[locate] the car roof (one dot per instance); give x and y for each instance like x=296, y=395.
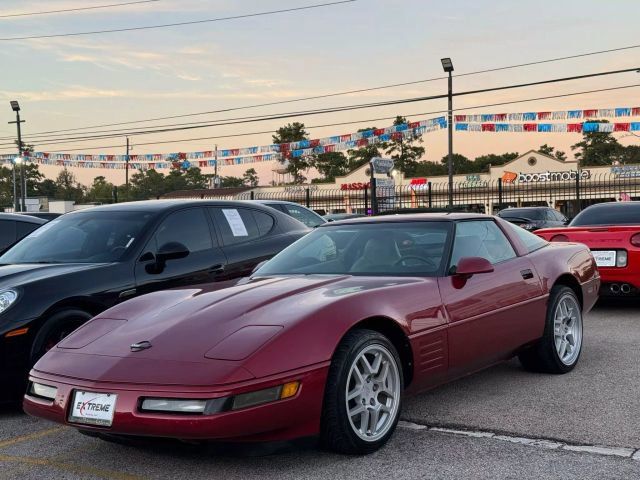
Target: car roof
x=157, y=206
x=613, y=205
x=411, y=217
x=286, y=202
x=510, y=209
x=22, y=218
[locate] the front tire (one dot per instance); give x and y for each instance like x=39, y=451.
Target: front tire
x=558, y=351
x=363, y=394
x=58, y=326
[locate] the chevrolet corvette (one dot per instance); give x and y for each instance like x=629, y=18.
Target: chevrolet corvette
x=612, y=232
x=326, y=338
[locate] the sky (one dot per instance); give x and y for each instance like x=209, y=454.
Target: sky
x=79, y=81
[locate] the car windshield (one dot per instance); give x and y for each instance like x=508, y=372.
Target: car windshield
x=530, y=213
x=384, y=248
x=303, y=215
x=614, y=214
x=84, y=237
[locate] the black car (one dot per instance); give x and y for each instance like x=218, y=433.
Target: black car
x=14, y=227
x=334, y=217
x=84, y=262
x=299, y=212
x=43, y=215
x=534, y=218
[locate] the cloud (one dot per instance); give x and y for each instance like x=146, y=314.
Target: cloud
x=190, y=78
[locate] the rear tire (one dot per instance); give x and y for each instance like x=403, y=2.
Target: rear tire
x=558, y=351
x=363, y=394
x=55, y=328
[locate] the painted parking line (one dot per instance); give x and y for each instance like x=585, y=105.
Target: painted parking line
x=30, y=436
x=69, y=467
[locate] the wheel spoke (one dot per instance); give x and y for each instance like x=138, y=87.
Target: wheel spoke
x=364, y=421
x=357, y=410
x=373, y=422
x=356, y=392
x=563, y=349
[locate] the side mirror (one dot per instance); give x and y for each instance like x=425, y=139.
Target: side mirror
x=171, y=251
x=470, y=266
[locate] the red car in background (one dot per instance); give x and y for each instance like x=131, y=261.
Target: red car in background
x=612, y=232
x=327, y=337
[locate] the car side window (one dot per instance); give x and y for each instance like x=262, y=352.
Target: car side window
x=551, y=215
x=481, y=238
x=264, y=221
x=23, y=229
x=7, y=232
x=188, y=227
x=236, y=225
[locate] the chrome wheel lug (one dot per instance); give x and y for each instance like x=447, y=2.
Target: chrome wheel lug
x=372, y=402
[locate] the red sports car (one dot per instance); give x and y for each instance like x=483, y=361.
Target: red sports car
x=326, y=338
x=612, y=232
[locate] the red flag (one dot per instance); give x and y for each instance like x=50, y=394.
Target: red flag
x=500, y=117
x=635, y=112
x=378, y=131
x=590, y=113
x=530, y=127
x=488, y=127
x=574, y=127
x=544, y=115
x=622, y=127
x=460, y=118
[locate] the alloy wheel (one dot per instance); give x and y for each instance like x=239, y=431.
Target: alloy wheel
x=567, y=329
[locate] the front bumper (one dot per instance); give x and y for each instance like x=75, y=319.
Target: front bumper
x=281, y=420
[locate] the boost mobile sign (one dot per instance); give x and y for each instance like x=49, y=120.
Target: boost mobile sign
x=554, y=176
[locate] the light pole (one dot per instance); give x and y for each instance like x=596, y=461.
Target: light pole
x=15, y=106
x=447, y=65
x=126, y=170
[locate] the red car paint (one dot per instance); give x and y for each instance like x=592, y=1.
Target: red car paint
x=451, y=328
x=606, y=238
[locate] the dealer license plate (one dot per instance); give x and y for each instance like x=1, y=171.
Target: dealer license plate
x=93, y=408
x=605, y=258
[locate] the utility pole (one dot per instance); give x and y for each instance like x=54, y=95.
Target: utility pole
x=126, y=169
x=447, y=65
x=215, y=169
x=15, y=106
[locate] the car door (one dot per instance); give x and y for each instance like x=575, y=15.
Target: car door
x=204, y=263
x=489, y=314
x=248, y=237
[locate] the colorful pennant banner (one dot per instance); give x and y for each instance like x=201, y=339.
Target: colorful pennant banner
x=549, y=127
x=557, y=115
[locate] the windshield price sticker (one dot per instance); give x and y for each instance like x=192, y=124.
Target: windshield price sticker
x=238, y=229
x=93, y=408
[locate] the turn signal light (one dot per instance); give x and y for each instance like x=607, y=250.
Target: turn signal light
x=560, y=238
x=635, y=240
x=289, y=390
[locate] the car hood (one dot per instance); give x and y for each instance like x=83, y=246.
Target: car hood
x=20, y=274
x=199, y=327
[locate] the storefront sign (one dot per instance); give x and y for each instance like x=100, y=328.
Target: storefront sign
x=354, y=186
x=473, y=181
x=382, y=165
x=300, y=188
x=419, y=184
x=626, y=171
x=510, y=177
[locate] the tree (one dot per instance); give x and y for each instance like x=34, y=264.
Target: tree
x=250, y=178
x=461, y=164
x=429, y=169
x=195, y=179
x=68, y=188
x=294, y=132
x=551, y=151
x=598, y=148
x=363, y=155
x=229, y=182
x=331, y=165
x=484, y=162
x=403, y=151
x=144, y=185
x=100, y=191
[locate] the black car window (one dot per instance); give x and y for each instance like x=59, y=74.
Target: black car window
x=528, y=213
x=82, y=237
x=481, y=238
x=188, y=227
x=531, y=242
x=303, y=215
x=551, y=216
x=236, y=225
x=7, y=233
x=264, y=221
x=627, y=213
x=23, y=228
x=560, y=217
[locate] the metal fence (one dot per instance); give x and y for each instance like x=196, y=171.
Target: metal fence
x=569, y=194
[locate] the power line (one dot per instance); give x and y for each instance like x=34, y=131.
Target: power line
x=236, y=135
x=336, y=94
x=77, y=9
x=178, y=24
x=241, y=120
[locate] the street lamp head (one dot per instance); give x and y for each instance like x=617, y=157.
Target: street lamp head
x=15, y=106
x=18, y=160
x=447, y=64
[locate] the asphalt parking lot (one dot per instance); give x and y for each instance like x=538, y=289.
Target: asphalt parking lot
x=501, y=423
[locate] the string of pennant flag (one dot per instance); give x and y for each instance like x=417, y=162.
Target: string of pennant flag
x=487, y=122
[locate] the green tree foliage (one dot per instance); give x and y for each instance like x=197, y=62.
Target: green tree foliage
x=598, y=148
x=229, y=182
x=294, y=132
x=250, y=178
x=144, y=185
x=404, y=151
x=68, y=188
x=100, y=191
x=331, y=165
x=484, y=162
x=363, y=155
x=552, y=152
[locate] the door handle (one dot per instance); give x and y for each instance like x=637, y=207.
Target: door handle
x=526, y=274
x=127, y=293
x=217, y=268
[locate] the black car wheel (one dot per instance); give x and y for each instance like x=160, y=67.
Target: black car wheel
x=55, y=328
x=363, y=394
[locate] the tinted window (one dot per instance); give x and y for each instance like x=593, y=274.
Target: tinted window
x=530, y=213
x=531, y=242
x=188, y=227
x=236, y=225
x=23, y=229
x=84, y=237
x=627, y=213
x=303, y=215
x=264, y=221
x=481, y=238
x=411, y=248
x=7, y=233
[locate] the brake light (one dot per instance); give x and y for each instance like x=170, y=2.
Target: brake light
x=635, y=240
x=560, y=238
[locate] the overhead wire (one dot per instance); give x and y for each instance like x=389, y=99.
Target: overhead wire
x=76, y=9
